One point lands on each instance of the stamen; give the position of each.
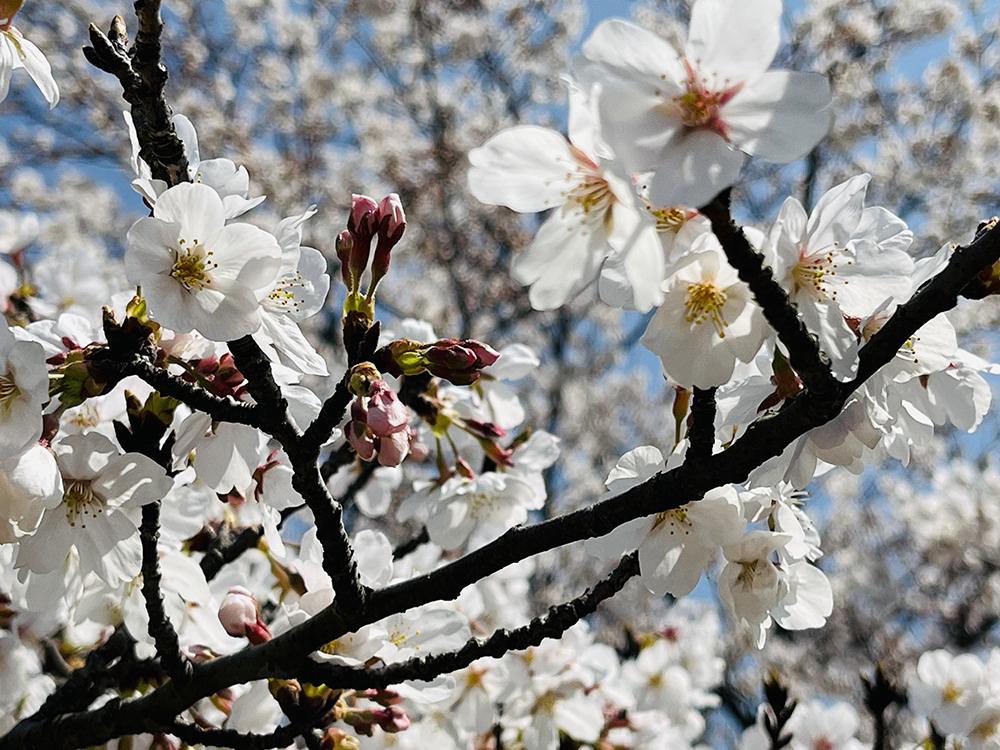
(704, 301)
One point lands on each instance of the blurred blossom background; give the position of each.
(320, 100)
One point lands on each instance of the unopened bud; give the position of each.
(338, 739)
(345, 245)
(392, 224)
(392, 719)
(362, 224)
(386, 413)
(240, 616)
(362, 377)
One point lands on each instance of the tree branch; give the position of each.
(812, 364)
(195, 735)
(161, 630)
(143, 78)
(553, 624)
(702, 432)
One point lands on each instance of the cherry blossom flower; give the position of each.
(196, 271)
(24, 389)
(99, 482)
(707, 321)
(528, 169)
(298, 292)
(843, 259)
(688, 117)
(949, 690)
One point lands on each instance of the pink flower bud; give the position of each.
(240, 616)
(386, 413)
(392, 223)
(392, 450)
(362, 224)
(345, 246)
(360, 438)
(486, 355)
(392, 720)
(392, 220)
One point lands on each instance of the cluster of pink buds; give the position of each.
(369, 220)
(379, 420)
(458, 362)
(239, 614)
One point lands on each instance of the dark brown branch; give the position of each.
(812, 365)
(143, 78)
(411, 545)
(553, 624)
(338, 554)
(195, 735)
(225, 548)
(220, 409)
(161, 630)
(89, 681)
(702, 432)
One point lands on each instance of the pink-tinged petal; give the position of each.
(632, 53)
(562, 259)
(526, 168)
(38, 68)
(197, 208)
(733, 40)
(151, 249)
(132, 480)
(695, 169)
(781, 116)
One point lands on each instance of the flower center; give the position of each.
(282, 297)
(590, 193)
(950, 693)
(704, 301)
(81, 501)
(698, 107)
(193, 267)
(814, 273)
(669, 219)
(676, 520)
(8, 392)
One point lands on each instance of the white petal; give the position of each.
(632, 53)
(781, 116)
(39, 70)
(563, 258)
(197, 208)
(692, 171)
(733, 40)
(526, 168)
